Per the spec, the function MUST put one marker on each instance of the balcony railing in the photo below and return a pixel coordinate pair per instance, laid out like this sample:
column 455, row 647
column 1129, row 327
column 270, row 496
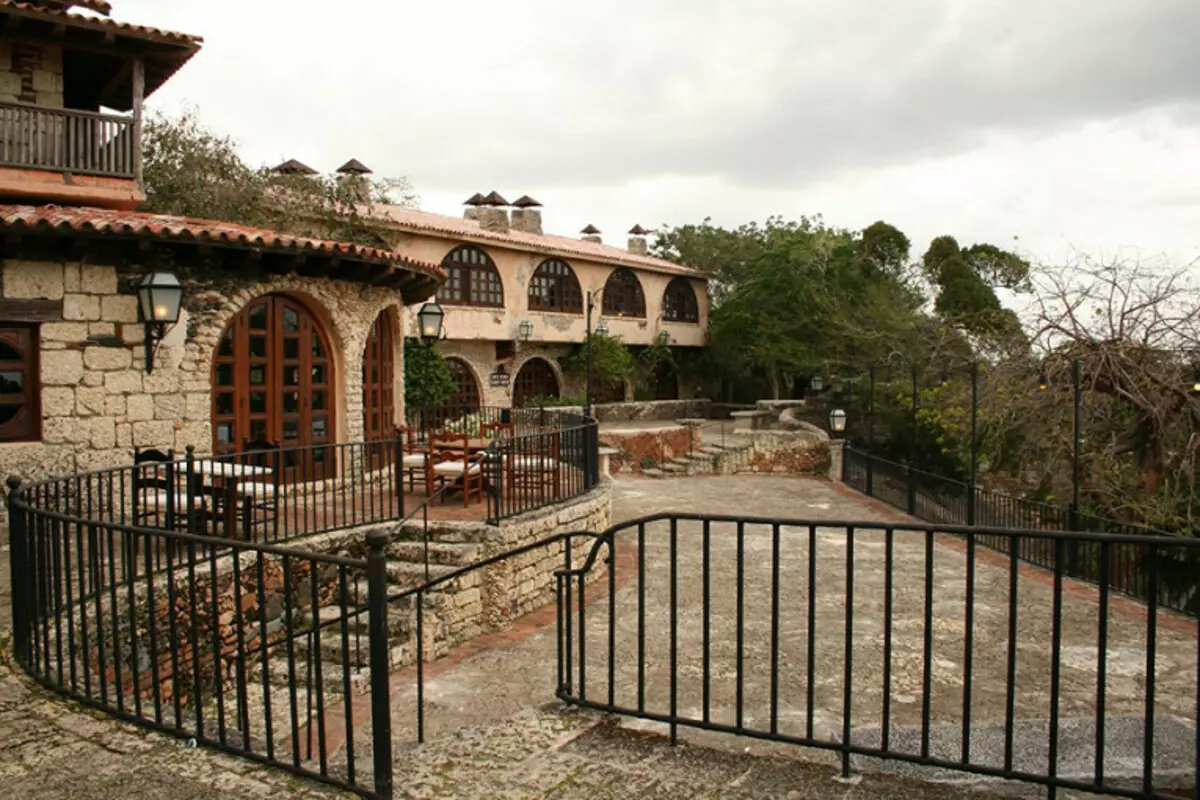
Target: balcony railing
column 66, row 140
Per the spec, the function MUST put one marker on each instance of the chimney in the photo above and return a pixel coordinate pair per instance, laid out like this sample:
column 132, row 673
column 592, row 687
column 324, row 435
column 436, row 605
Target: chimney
column 637, row 240
column 591, row 234
column 353, row 176
column 527, row 215
column 489, row 211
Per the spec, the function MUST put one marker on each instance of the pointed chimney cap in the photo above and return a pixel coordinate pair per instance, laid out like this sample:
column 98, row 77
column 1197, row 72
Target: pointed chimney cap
column 294, row 167
column 494, row 198
column 353, row 167
column 590, row 230
column 638, row 230
column 525, row 201
column 475, row 200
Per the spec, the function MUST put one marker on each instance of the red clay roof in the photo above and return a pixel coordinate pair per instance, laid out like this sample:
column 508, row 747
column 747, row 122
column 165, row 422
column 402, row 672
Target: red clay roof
column 459, row 228
column 137, row 223
column 103, row 23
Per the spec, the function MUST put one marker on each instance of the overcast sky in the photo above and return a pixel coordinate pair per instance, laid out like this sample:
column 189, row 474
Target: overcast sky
column 1066, row 123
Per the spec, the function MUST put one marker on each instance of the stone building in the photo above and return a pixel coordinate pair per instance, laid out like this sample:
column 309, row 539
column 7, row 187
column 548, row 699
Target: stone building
column 290, row 339
column 515, row 300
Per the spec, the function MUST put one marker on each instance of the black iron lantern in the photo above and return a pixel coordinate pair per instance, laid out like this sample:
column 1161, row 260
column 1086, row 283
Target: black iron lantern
column 817, row 383
column 602, row 328
column 429, row 321
column 160, row 297
column 1196, row 382
column 525, row 330
column 837, row 420
column 1043, row 382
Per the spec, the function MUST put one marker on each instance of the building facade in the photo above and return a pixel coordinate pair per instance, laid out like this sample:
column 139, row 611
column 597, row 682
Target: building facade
column 515, row 301
column 288, row 340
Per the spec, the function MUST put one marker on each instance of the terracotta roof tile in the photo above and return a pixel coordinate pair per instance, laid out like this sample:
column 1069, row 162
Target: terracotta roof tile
column 459, row 228
column 137, row 223
column 103, row 23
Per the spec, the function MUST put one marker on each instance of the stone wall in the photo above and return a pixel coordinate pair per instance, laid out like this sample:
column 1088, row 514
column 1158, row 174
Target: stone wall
column 697, row 408
column 98, row 401
column 645, row 448
column 31, row 73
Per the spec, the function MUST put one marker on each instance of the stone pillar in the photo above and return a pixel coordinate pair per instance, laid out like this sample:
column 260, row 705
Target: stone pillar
column 837, row 455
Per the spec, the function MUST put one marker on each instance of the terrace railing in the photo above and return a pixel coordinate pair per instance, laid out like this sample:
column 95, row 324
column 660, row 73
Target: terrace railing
column 938, row 499
column 68, row 140
column 891, row 643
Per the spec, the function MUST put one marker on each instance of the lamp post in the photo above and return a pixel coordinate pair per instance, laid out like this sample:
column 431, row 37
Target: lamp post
column 871, row 438
column 601, row 330
column 160, row 296
column 974, row 442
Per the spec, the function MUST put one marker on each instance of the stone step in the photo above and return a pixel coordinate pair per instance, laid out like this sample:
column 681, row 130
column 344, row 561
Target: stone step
column 654, row 472
column 406, row 575
column 441, row 553
column 332, row 675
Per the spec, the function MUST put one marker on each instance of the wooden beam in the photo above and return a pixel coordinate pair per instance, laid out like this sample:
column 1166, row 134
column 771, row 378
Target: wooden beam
column 139, row 94
column 31, row 310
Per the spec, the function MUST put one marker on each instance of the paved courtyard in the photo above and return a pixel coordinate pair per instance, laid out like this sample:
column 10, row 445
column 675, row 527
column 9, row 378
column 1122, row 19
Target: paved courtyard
column 493, row 729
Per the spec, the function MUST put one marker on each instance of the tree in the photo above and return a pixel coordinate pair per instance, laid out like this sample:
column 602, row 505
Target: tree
column 190, row 171
column 427, row 378
column 612, row 362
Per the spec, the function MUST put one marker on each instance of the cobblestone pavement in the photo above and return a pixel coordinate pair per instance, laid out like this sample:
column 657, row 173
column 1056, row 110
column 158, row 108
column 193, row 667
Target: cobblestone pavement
column 492, row 726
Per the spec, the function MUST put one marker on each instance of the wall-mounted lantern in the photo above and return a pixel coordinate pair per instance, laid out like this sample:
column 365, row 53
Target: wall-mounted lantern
column 817, row 383
column 525, row 330
column 602, row 328
column 429, row 321
column 664, row 338
column 160, row 297
column 499, row 377
column 837, row 420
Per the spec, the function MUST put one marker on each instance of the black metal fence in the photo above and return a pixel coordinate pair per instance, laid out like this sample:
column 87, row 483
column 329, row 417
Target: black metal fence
column 942, row 500
column 541, row 468
column 886, row 643
column 246, row 647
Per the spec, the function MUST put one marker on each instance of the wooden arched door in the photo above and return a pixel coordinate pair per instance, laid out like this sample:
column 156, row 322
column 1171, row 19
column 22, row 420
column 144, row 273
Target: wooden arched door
column 273, row 380
column 535, row 380
column 379, row 380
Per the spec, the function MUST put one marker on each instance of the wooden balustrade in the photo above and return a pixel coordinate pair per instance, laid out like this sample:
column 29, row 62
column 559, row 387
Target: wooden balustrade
column 67, row 140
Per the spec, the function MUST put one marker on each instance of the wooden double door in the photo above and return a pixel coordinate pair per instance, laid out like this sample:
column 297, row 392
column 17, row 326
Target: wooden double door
column 273, row 381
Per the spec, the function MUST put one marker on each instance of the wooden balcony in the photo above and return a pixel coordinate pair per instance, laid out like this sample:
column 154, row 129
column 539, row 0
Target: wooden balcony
column 69, row 141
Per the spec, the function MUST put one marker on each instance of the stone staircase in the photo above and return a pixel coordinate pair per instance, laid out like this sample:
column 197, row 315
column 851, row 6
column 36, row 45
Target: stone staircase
column 405, row 570
column 712, row 458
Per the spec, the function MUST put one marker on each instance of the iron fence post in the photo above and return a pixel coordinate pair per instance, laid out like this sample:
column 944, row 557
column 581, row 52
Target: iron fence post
column 912, row 449
column 381, row 712
column 16, row 541
column 974, row 442
column 871, row 438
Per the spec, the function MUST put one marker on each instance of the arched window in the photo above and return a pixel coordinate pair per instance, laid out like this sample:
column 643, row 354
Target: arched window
column 465, row 397
column 273, row 381
column 679, row 302
column 554, row 287
column 536, row 379
column 20, row 384
column 623, row 295
column 471, row 279
column 379, row 380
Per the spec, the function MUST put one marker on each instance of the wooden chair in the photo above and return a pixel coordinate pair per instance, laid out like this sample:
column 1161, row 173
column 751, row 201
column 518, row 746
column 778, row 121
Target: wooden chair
column 156, row 487
column 450, row 461
column 259, row 495
column 414, row 460
column 535, row 466
column 497, row 430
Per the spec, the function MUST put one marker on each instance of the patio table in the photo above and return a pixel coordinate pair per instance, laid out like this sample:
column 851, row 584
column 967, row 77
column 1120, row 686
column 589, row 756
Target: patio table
column 226, row 476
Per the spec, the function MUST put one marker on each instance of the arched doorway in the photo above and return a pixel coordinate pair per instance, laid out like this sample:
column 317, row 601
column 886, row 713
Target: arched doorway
column 535, row 380
column 666, row 382
column 273, row 381
column 379, row 380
